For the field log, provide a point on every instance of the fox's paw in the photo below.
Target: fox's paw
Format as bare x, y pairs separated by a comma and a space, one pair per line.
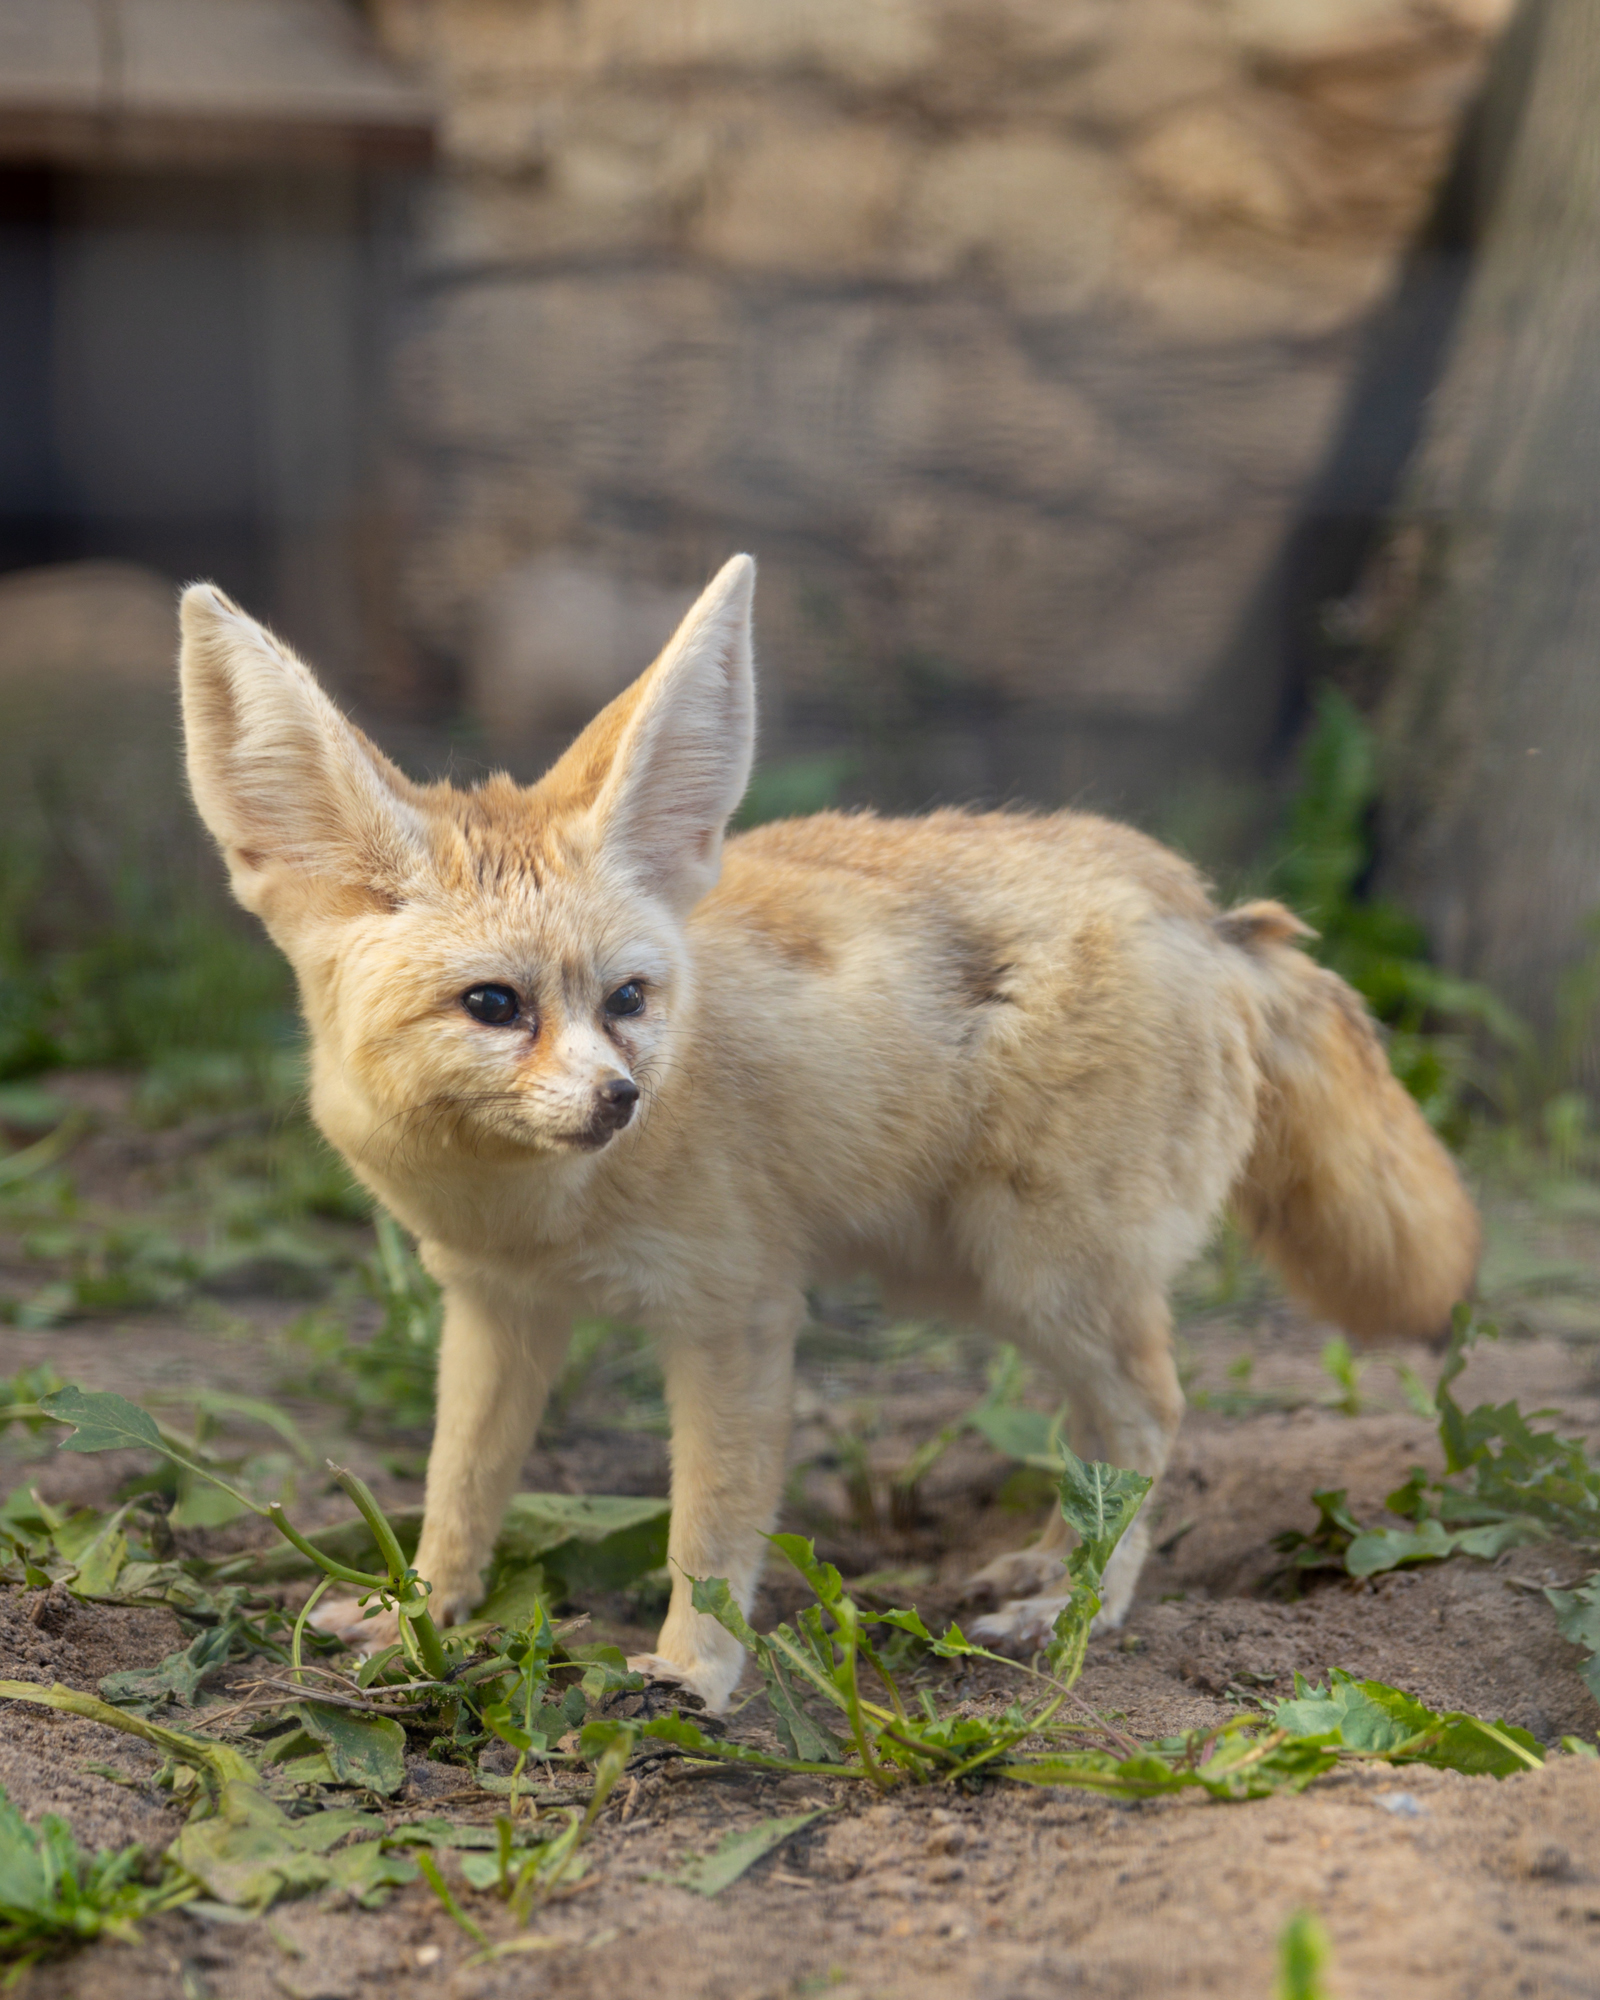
1021, 1573
346, 1618
706, 1680
1021, 1627
1026, 1624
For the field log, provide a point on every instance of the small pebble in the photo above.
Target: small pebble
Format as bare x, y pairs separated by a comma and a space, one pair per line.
1544, 1860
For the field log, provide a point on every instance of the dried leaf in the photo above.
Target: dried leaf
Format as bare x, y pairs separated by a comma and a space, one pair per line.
710, 1874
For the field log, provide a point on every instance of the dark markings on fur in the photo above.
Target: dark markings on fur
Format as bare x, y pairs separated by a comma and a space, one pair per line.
790, 935
976, 967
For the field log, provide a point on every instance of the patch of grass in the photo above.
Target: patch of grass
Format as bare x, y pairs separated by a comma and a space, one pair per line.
128, 972
388, 1378
53, 1894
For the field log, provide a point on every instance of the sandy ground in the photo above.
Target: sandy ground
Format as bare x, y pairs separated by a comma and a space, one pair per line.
1429, 1884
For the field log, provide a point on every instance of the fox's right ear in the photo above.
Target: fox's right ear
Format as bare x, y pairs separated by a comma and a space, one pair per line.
300, 803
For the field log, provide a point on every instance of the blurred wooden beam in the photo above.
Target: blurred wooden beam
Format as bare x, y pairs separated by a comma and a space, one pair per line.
202, 83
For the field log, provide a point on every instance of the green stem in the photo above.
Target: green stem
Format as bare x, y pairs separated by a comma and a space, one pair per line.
44, 1152
430, 1872
429, 1644
300, 1626
403, 1582
199, 1471
313, 1554
366, 1503
852, 1708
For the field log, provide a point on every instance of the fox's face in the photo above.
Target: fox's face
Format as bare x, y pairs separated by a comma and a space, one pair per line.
497, 971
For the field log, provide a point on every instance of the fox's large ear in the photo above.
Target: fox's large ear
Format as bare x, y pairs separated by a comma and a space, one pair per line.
681, 741
300, 802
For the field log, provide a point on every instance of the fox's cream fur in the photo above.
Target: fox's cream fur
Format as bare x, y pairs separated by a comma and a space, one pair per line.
1014, 1066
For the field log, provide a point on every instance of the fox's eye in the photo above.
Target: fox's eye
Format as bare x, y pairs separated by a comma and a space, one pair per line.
626, 1000
497, 1006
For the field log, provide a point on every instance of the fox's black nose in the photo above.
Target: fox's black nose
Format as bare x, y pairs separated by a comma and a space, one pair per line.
618, 1095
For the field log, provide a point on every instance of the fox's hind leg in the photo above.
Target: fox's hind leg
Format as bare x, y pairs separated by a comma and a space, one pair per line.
1116, 1369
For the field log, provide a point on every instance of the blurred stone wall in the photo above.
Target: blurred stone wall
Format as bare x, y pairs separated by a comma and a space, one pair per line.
1006, 333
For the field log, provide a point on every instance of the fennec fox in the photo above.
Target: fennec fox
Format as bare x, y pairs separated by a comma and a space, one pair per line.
603, 1060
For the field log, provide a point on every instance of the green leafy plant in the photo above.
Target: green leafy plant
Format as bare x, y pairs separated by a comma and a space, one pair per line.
999, 1417
1434, 1019
391, 1375
52, 1893
860, 1665
1378, 1721
1506, 1482
849, 1687
100, 1421
1304, 1957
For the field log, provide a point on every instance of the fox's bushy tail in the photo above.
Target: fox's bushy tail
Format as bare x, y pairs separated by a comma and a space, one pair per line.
1347, 1191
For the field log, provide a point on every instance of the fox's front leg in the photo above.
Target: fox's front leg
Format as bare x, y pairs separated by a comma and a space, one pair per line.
498, 1356
729, 1390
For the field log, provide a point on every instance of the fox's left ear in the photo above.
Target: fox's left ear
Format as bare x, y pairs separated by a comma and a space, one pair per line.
301, 804
684, 737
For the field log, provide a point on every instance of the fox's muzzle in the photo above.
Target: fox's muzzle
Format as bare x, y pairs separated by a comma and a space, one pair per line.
614, 1102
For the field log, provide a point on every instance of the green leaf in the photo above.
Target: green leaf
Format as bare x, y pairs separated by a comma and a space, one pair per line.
499, 1721
482, 1871
204, 1506
436, 1832
711, 1873
1495, 1537
364, 1750
221, 1763
102, 1421
906, 1621
1304, 1956
1100, 1501
176, 1679
367, 1870
52, 1892
249, 1853
101, 1562
1244, 1763
1017, 1433
801, 1735
429, 1869
689, 1737
823, 1578
711, 1595
517, 1597
1378, 1549
1578, 1619
1382, 1721
953, 1644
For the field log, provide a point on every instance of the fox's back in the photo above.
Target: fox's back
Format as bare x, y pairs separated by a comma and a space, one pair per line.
893, 1013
